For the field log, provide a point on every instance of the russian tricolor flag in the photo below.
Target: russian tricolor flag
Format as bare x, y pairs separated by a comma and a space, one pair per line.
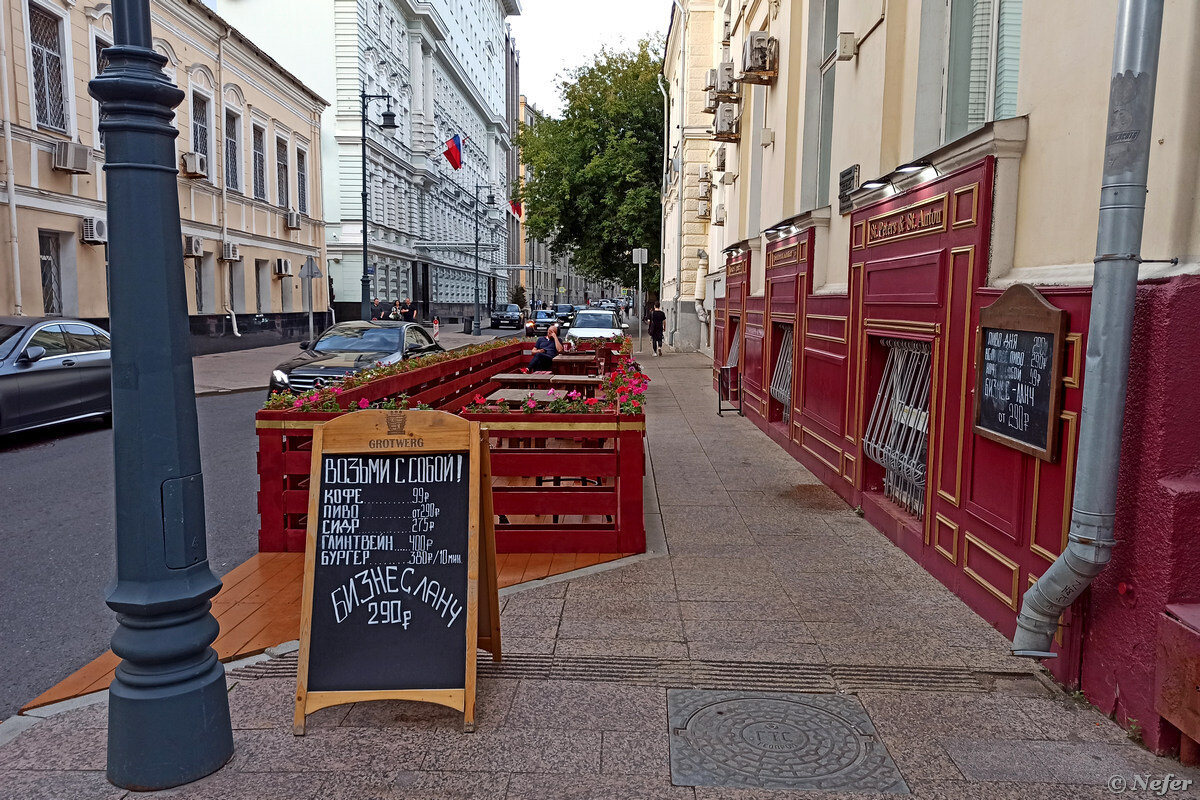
453, 151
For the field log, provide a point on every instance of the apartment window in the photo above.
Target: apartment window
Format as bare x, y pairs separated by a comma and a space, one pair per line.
200, 124
829, 28
101, 65
302, 180
260, 163
49, 78
281, 172
982, 60
233, 149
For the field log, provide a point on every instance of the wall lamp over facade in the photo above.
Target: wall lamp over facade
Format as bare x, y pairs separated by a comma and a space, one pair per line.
389, 123
876, 183
915, 166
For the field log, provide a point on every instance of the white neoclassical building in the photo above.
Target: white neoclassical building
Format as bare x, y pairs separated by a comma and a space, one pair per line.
443, 64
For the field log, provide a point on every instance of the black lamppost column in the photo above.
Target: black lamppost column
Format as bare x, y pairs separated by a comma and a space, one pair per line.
388, 124
475, 331
168, 713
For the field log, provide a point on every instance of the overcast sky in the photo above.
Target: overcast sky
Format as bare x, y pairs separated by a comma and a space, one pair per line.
554, 35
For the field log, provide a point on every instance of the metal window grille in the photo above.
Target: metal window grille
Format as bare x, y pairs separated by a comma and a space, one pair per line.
735, 352
45, 39
897, 435
781, 377
259, 137
199, 124
199, 288
101, 65
302, 181
281, 172
258, 286
48, 244
232, 151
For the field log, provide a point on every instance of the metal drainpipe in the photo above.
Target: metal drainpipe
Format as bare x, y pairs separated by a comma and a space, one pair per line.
1118, 247
662, 225
220, 146
9, 175
683, 90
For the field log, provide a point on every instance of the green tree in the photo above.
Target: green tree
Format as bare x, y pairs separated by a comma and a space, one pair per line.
517, 295
594, 176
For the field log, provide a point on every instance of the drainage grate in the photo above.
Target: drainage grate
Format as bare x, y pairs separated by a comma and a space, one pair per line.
777, 741
684, 673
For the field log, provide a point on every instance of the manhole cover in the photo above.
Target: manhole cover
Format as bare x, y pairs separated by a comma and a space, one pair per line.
777, 741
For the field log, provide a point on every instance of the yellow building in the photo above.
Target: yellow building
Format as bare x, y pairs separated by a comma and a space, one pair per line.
249, 158
868, 177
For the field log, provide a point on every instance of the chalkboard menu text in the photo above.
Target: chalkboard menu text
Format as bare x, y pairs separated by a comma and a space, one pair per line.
1018, 372
391, 595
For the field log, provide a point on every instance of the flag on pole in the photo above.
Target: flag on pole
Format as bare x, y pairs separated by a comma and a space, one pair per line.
517, 209
453, 151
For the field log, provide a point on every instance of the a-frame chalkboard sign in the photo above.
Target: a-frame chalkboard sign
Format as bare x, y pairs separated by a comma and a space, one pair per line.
400, 566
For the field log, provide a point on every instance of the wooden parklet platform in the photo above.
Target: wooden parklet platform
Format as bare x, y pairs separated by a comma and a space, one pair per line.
259, 607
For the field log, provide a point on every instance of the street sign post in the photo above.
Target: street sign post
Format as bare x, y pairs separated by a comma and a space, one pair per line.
308, 272
640, 257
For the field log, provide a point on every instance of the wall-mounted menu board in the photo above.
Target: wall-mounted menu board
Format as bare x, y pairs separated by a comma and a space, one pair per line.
399, 532
1018, 372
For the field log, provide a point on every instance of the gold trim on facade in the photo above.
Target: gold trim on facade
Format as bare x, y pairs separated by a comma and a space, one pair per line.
974, 219
858, 236
1011, 598
830, 318
952, 554
835, 467
921, 226
903, 326
1072, 420
956, 498
1075, 340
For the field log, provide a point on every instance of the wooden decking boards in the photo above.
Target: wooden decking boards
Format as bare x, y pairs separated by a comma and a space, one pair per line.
259, 607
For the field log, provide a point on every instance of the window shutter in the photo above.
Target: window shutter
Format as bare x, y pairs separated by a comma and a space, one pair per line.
981, 45
1008, 57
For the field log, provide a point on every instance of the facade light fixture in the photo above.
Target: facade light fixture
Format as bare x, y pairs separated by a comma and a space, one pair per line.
919, 165
876, 183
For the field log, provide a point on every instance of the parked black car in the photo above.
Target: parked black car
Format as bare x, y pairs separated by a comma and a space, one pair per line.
348, 347
52, 369
564, 312
509, 314
541, 322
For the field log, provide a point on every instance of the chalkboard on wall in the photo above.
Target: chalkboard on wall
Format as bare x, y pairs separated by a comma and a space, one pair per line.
400, 520
1018, 372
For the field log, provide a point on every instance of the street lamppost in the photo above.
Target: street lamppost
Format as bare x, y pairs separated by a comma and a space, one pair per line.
168, 713
389, 125
491, 201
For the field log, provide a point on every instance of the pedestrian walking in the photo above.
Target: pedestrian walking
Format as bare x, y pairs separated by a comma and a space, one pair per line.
658, 324
395, 311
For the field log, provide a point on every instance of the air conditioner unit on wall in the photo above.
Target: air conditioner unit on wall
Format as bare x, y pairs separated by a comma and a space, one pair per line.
760, 58
293, 220
231, 252
711, 101
195, 165
726, 123
705, 173
726, 31
721, 159
95, 230
193, 247
703, 210
283, 267
726, 82
72, 157
710, 79
718, 217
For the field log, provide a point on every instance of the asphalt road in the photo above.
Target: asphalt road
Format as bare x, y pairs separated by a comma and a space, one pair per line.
57, 539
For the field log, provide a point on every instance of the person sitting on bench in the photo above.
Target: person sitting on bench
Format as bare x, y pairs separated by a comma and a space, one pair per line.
544, 351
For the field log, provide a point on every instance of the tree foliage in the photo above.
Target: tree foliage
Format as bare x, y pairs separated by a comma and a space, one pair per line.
594, 176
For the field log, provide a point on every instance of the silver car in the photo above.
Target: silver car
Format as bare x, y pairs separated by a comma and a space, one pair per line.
52, 370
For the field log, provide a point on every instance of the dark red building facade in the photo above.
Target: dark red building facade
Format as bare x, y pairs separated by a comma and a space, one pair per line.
984, 518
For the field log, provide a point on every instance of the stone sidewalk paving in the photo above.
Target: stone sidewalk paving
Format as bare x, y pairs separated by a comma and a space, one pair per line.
772, 588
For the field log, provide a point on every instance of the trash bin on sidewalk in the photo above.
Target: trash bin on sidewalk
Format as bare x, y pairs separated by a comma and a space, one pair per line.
467, 322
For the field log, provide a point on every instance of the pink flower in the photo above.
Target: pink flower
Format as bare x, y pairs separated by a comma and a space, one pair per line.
531, 403
591, 401
480, 400
552, 393
363, 402
574, 395
337, 390
299, 402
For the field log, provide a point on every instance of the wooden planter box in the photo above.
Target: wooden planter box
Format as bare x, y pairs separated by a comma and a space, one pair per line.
563, 482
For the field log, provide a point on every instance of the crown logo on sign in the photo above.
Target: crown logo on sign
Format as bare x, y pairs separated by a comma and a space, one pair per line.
395, 422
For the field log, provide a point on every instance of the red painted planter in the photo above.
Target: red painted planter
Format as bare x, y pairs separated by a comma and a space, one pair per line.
564, 482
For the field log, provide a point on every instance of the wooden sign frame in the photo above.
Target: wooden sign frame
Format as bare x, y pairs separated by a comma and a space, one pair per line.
1023, 308
409, 433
